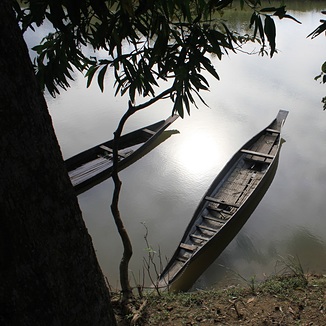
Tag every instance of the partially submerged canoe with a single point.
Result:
(94, 165)
(225, 207)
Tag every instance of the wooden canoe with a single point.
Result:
(94, 165)
(225, 207)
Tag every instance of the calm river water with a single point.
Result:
(163, 189)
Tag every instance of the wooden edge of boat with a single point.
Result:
(153, 134)
(149, 131)
(277, 124)
(148, 135)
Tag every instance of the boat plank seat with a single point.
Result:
(261, 160)
(110, 150)
(182, 259)
(220, 210)
(151, 132)
(204, 227)
(274, 131)
(217, 201)
(187, 246)
(214, 219)
(267, 144)
(199, 237)
(246, 151)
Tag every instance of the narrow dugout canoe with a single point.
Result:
(94, 165)
(225, 207)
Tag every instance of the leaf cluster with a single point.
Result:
(318, 31)
(263, 22)
(144, 42)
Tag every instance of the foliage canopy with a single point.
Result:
(322, 76)
(143, 42)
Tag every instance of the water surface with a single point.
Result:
(163, 189)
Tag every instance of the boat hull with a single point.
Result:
(226, 206)
(95, 165)
(213, 249)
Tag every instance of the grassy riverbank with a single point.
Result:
(281, 300)
(290, 300)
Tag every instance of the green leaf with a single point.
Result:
(90, 74)
(231, 37)
(320, 29)
(186, 102)
(56, 14)
(256, 25)
(209, 67)
(99, 8)
(269, 9)
(38, 49)
(160, 46)
(73, 9)
(100, 77)
(324, 79)
(252, 19)
(260, 28)
(323, 67)
(270, 31)
(317, 77)
(201, 99)
(132, 91)
(290, 17)
(214, 37)
(178, 106)
(281, 13)
(197, 83)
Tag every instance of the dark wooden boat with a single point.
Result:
(94, 165)
(225, 207)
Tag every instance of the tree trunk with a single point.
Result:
(127, 246)
(48, 268)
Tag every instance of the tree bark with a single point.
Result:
(48, 268)
(127, 246)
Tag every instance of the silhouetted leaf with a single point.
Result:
(56, 14)
(252, 19)
(317, 77)
(269, 9)
(321, 28)
(323, 67)
(178, 107)
(99, 8)
(100, 77)
(186, 102)
(260, 28)
(209, 67)
(90, 74)
(73, 9)
(270, 31)
(281, 13)
(214, 37)
(291, 17)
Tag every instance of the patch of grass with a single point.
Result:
(282, 300)
(282, 286)
(291, 266)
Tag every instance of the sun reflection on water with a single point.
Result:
(198, 154)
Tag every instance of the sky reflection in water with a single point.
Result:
(164, 188)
